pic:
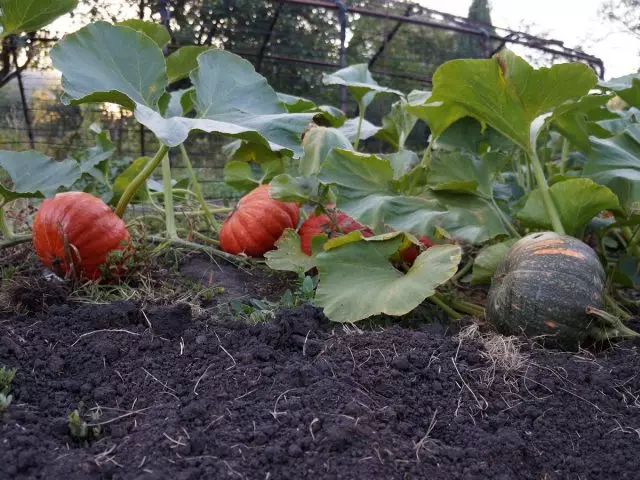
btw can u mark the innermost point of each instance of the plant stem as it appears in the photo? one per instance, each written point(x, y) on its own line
point(546, 196)
point(439, 301)
point(505, 220)
point(617, 309)
point(5, 229)
point(16, 240)
point(204, 238)
point(140, 179)
point(468, 308)
point(633, 247)
point(168, 198)
point(565, 155)
point(616, 327)
point(463, 271)
point(426, 156)
point(198, 191)
point(361, 110)
point(178, 242)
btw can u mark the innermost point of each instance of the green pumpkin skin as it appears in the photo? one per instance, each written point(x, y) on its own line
point(542, 288)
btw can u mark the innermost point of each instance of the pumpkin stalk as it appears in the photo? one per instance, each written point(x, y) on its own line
point(505, 220)
point(178, 242)
point(15, 241)
point(615, 328)
point(168, 198)
point(541, 180)
point(565, 155)
point(5, 229)
point(361, 110)
point(437, 299)
point(197, 190)
point(139, 180)
point(617, 309)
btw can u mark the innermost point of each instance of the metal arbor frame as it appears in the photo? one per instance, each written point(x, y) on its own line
point(416, 14)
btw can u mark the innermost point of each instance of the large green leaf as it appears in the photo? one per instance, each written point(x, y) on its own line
point(615, 162)
point(357, 281)
point(107, 63)
point(397, 125)
point(462, 172)
point(157, 32)
point(505, 92)
point(288, 255)
point(318, 144)
point(359, 82)
point(93, 161)
point(122, 181)
point(487, 261)
point(295, 104)
point(295, 189)
point(183, 61)
point(36, 175)
point(18, 16)
point(571, 119)
point(350, 129)
point(367, 190)
point(244, 176)
point(467, 134)
point(577, 200)
point(626, 87)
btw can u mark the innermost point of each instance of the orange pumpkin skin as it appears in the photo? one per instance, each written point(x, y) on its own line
point(80, 229)
point(322, 224)
point(256, 223)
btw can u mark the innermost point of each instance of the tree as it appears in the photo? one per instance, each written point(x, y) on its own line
point(623, 12)
point(475, 46)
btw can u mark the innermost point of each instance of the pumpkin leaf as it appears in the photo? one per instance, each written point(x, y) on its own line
point(243, 151)
point(364, 184)
point(288, 255)
point(504, 92)
point(487, 261)
point(295, 189)
point(357, 281)
point(626, 87)
point(93, 162)
point(468, 135)
point(35, 175)
point(183, 61)
point(468, 218)
point(18, 16)
point(122, 181)
point(571, 119)
point(295, 104)
point(109, 63)
point(157, 32)
point(462, 172)
point(615, 162)
point(397, 125)
point(177, 103)
point(318, 144)
point(350, 129)
point(360, 83)
point(240, 176)
point(578, 201)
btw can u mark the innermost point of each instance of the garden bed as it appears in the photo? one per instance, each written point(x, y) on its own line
point(181, 391)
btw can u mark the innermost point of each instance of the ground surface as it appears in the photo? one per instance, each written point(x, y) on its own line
point(183, 394)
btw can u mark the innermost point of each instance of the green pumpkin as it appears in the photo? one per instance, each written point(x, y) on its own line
point(545, 287)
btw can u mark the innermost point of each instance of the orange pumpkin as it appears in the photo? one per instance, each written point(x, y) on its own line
point(74, 234)
point(321, 224)
point(256, 223)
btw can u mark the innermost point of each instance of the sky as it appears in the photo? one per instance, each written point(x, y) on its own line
point(575, 22)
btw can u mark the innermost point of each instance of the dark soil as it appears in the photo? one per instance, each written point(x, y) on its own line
point(179, 397)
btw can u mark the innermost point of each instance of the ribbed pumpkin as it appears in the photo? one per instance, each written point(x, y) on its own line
point(322, 224)
point(544, 287)
point(77, 229)
point(256, 223)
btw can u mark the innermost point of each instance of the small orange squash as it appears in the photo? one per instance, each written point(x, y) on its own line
point(339, 224)
point(74, 233)
point(256, 223)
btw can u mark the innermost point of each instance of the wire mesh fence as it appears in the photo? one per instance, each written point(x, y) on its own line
point(292, 43)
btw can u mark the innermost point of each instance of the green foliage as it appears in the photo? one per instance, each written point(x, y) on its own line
point(18, 16)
